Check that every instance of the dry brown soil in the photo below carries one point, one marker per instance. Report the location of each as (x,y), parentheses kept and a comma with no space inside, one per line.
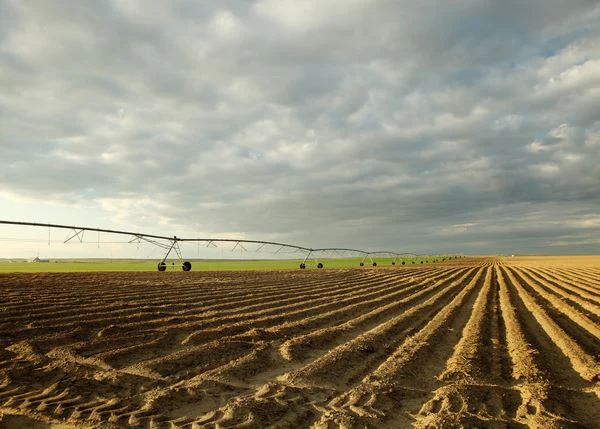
(474,342)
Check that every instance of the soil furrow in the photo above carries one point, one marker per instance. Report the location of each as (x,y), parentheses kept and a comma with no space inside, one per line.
(583,363)
(390,392)
(570,284)
(353,359)
(561,395)
(572,323)
(585,305)
(469,342)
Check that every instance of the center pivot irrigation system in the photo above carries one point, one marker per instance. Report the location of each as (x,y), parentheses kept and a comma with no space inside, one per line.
(171,245)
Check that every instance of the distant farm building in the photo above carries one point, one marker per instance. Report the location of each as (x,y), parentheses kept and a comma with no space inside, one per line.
(37,259)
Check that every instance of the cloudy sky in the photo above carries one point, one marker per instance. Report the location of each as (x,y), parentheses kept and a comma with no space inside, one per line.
(467,126)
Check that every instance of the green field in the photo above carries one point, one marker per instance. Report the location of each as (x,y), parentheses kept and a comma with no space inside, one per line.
(91,265)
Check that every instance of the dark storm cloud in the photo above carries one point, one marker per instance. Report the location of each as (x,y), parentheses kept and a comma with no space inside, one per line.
(413,126)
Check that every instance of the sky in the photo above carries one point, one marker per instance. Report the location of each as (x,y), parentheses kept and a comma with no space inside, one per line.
(469,126)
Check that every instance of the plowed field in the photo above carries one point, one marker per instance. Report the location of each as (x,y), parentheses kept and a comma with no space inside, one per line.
(476,342)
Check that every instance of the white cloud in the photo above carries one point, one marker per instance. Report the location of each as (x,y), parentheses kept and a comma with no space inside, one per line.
(537,147)
(309,15)
(309,121)
(546,170)
(226,25)
(508,123)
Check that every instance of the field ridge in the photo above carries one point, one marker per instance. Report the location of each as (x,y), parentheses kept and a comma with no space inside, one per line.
(470,342)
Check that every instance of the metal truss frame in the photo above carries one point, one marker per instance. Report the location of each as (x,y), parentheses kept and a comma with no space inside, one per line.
(171,244)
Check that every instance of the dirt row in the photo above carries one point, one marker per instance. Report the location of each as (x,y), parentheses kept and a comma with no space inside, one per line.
(477,342)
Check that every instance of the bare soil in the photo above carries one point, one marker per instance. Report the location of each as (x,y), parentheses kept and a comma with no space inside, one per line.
(474,342)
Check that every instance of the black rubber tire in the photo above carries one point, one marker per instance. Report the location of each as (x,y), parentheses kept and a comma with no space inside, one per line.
(374,264)
(302,266)
(187,266)
(319,265)
(162,266)
(362,264)
(403,263)
(393,263)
